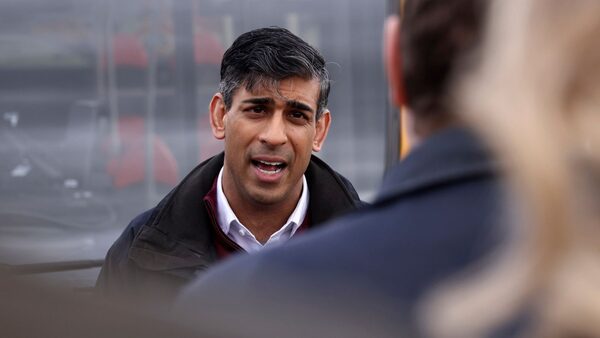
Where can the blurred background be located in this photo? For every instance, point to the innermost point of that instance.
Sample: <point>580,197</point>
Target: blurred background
<point>103,109</point>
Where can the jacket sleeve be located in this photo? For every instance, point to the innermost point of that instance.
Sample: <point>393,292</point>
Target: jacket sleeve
<point>118,273</point>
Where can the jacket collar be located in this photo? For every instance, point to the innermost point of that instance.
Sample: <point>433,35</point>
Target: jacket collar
<point>330,193</point>
<point>177,236</point>
<point>445,157</point>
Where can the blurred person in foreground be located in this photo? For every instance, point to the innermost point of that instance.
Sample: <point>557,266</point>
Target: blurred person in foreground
<point>364,274</point>
<point>271,111</point>
<point>536,98</point>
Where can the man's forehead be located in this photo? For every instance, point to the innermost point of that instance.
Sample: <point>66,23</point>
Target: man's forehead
<point>294,88</point>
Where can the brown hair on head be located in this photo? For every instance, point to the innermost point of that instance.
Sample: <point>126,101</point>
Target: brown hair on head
<point>436,37</point>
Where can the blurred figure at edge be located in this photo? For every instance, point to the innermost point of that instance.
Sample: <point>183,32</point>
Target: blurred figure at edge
<point>536,99</point>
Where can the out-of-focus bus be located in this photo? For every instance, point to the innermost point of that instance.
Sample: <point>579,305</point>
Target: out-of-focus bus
<point>103,109</point>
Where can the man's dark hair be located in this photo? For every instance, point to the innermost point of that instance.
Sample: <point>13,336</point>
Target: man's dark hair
<point>266,56</point>
<point>436,38</point>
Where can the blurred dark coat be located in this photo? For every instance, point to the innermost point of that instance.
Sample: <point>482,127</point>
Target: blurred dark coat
<point>165,247</point>
<point>364,274</point>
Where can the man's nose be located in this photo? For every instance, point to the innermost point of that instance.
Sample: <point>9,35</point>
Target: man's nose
<point>274,132</point>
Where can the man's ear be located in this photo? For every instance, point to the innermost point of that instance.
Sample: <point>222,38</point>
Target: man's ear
<point>218,112</point>
<point>322,128</point>
<point>393,60</point>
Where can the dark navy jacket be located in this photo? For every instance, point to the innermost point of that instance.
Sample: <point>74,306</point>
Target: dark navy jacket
<point>363,274</point>
<point>166,246</point>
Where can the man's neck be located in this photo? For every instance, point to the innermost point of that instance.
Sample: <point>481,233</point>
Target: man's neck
<point>263,220</point>
<point>420,128</point>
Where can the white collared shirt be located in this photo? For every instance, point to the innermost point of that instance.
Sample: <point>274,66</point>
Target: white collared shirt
<point>236,231</point>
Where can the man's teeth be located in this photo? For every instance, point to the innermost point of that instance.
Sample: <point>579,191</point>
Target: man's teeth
<point>270,168</point>
<point>271,163</point>
<point>270,172</point>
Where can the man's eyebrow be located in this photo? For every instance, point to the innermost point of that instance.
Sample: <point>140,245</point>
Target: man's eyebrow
<point>269,101</point>
<point>259,100</point>
<point>299,105</point>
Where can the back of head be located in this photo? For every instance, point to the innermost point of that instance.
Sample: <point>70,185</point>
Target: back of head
<point>436,38</point>
<point>265,56</point>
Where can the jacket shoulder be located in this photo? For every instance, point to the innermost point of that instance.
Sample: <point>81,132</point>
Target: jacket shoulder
<point>320,172</point>
<point>331,194</point>
<point>116,262</point>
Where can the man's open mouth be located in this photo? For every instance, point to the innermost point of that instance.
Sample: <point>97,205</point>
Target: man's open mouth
<point>269,168</point>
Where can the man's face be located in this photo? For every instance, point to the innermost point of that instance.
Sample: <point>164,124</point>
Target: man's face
<point>269,135</point>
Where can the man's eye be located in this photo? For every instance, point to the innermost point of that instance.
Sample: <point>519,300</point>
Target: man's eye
<point>256,109</point>
<point>298,115</point>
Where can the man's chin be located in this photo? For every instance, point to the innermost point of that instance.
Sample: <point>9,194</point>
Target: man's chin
<point>267,199</point>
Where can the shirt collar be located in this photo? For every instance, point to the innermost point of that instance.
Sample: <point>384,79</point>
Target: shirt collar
<point>226,217</point>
